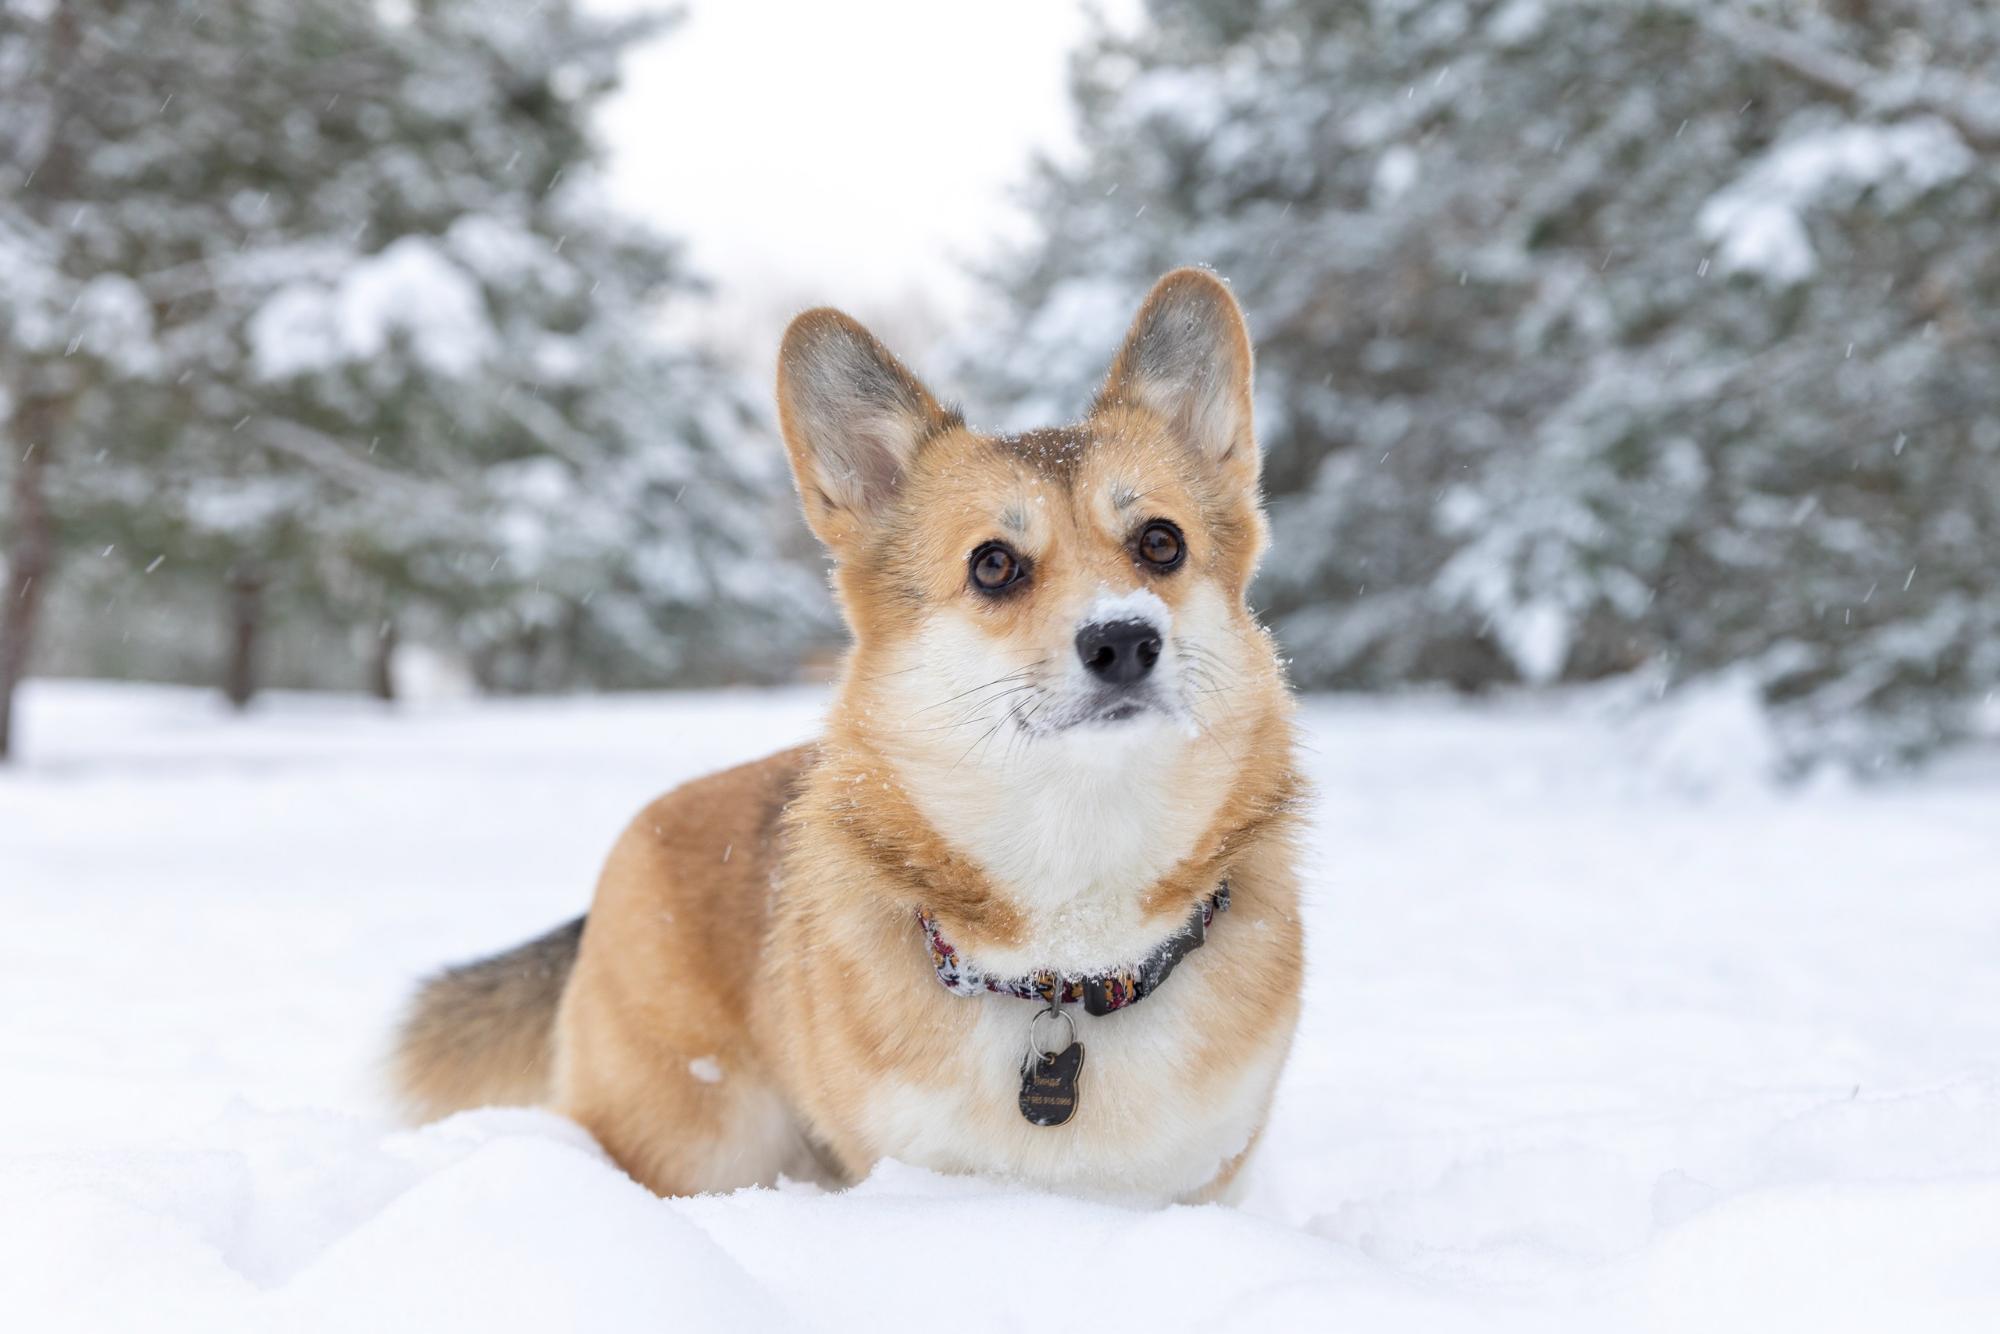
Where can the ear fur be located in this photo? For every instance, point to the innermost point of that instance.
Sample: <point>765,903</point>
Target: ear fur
<point>1187,358</point>
<point>853,417</point>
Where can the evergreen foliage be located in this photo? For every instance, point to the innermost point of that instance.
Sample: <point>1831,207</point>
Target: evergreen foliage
<point>1592,337</point>
<point>317,304</point>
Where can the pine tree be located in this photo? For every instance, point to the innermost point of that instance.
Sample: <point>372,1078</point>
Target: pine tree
<point>1590,336</point>
<point>324,306</point>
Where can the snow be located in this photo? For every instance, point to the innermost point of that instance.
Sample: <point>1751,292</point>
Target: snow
<point>1517,22</point>
<point>1396,171</point>
<point>1582,1049</point>
<point>1761,237</point>
<point>410,288</point>
<point>1713,737</point>
<point>293,333</point>
<point>506,254</point>
<point>1536,637</point>
<point>1138,604</point>
<point>114,322</point>
<point>1757,220</point>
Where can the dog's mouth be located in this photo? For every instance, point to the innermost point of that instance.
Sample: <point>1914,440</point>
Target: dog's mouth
<point>1100,712</point>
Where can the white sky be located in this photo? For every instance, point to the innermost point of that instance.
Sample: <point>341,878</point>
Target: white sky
<point>844,152</point>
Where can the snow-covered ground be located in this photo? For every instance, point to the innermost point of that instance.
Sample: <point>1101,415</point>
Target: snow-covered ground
<point>1584,1048</point>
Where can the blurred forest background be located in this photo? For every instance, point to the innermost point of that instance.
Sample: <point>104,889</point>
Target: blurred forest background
<point>1655,337</point>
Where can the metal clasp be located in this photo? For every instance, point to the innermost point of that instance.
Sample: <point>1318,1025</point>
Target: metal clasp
<point>1055,1009</point>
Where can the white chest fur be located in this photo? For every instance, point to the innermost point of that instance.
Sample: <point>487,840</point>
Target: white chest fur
<point>1159,1115</point>
<point>1071,827</point>
<point>1077,838</point>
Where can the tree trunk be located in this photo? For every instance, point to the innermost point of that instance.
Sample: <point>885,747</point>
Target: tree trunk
<point>382,673</point>
<point>30,551</point>
<point>246,622</point>
<point>38,412</point>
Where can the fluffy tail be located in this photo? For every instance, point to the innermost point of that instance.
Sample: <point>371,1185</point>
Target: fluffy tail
<point>483,1033</point>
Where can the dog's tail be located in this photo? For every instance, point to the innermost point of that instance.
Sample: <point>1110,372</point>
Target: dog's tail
<point>483,1033</point>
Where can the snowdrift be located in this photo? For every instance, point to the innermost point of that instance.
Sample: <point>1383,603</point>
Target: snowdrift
<point>1583,1049</point>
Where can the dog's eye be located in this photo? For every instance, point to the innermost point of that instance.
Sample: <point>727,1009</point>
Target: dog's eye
<point>994,567</point>
<point>1160,546</point>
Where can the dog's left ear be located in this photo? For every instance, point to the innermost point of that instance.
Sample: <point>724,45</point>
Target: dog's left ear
<point>1187,358</point>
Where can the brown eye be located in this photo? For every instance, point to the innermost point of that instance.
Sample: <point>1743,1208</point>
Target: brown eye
<point>994,567</point>
<point>1161,547</point>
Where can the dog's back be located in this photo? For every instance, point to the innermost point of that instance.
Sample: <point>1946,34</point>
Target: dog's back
<point>693,866</point>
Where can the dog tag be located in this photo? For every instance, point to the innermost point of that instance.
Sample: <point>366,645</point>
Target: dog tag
<point>1048,1086</point>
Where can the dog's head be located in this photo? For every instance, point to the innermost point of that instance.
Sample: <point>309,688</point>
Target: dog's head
<point>1072,595</point>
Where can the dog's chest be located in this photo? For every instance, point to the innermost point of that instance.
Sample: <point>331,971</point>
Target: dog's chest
<point>1162,1105</point>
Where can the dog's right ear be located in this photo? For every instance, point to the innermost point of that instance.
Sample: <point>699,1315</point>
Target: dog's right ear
<point>853,418</point>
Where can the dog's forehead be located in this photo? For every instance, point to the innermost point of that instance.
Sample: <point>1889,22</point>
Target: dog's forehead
<point>1073,456</point>
<point>1052,453</point>
<point>1083,469</point>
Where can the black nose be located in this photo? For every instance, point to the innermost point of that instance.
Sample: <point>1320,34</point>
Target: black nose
<point>1118,652</point>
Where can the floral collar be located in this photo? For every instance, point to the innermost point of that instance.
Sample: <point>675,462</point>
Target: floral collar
<point>1101,993</point>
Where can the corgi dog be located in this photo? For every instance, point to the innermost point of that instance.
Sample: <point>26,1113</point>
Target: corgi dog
<point>1028,908</point>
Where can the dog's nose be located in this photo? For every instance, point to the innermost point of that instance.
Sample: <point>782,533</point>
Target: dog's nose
<point>1119,652</point>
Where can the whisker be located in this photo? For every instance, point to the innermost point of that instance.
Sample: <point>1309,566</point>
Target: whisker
<point>988,735</point>
<point>883,676</point>
<point>998,681</point>
<point>1021,733</point>
<point>975,713</point>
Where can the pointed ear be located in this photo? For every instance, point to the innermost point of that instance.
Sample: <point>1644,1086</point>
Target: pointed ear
<point>853,418</point>
<point>1187,358</point>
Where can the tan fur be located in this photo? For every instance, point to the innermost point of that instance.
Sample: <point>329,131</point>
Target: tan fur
<point>752,996</point>
<point>482,1033</point>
